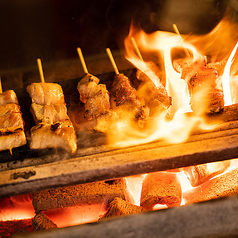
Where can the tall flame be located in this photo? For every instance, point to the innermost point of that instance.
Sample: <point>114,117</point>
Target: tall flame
<point>155,59</point>
<point>226,78</point>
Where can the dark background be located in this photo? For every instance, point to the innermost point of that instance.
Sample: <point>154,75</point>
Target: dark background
<point>53,29</point>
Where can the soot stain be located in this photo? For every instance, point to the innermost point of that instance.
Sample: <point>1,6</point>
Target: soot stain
<point>25,175</point>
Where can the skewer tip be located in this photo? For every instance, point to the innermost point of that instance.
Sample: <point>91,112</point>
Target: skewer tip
<point>0,85</point>
<point>109,53</point>
<point>40,70</point>
<point>178,33</point>
<point>80,53</point>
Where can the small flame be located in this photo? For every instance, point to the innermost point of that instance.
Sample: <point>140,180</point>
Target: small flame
<point>226,78</point>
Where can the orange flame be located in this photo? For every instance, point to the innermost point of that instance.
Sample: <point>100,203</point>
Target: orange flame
<point>153,56</point>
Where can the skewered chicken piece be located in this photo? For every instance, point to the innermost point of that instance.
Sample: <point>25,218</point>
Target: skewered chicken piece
<point>156,98</point>
<point>204,85</point>
<point>7,97</point>
<point>125,98</point>
<point>49,113</point>
<point>60,134</point>
<point>53,126</point>
<point>46,93</point>
<point>12,133</point>
<point>95,97</point>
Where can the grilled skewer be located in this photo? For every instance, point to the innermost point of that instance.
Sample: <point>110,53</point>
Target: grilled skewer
<point>125,95</point>
<point>53,126</point>
<point>204,85</point>
<point>12,133</point>
<point>96,99</point>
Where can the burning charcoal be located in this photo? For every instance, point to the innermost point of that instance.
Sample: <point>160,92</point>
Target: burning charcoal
<point>220,186</point>
<point>119,207</point>
<point>42,222</point>
<point>155,97</point>
<point>83,194</point>
<point>161,188</point>
<point>206,92</point>
<point>8,228</point>
<point>201,173</point>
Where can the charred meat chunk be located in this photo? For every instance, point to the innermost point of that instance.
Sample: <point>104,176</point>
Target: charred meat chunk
<point>155,97</point>
<point>95,97</point>
<point>125,97</point>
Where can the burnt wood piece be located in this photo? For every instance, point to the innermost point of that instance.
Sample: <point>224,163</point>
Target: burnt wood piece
<point>220,186</point>
<point>161,188</point>
<point>92,193</point>
<point>42,222</point>
<point>119,207</point>
<point>156,98</point>
<point>8,228</point>
<point>199,174</point>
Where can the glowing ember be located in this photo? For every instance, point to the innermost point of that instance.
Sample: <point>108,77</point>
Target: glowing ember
<point>16,208</point>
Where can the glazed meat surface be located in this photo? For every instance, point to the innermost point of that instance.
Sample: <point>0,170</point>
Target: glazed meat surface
<point>97,105</point>
<point>50,113</point>
<point>11,120</point>
<point>8,97</point>
<point>12,133</point>
<point>12,139</point>
<point>9,108</point>
<point>60,134</point>
<point>46,93</point>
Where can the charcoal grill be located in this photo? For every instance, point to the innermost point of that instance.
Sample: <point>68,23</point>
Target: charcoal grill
<point>28,170</point>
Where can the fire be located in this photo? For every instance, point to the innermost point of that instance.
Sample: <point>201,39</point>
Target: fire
<point>226,78</point>
<point>153,54</point>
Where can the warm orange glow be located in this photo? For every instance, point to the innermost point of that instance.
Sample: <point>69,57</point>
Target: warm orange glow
<point>226,78</point>
<point>134,184</point>
<point>16,208</point>
<point>70,216</point>
<point>155,60</point>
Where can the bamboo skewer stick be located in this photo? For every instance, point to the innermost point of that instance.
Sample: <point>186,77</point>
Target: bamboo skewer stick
<point>0,85</point>
<point>109,53</point>
<point>82,60</point>
<point>177,32</point>
<point>40,70</point>
<point>136,48</point>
